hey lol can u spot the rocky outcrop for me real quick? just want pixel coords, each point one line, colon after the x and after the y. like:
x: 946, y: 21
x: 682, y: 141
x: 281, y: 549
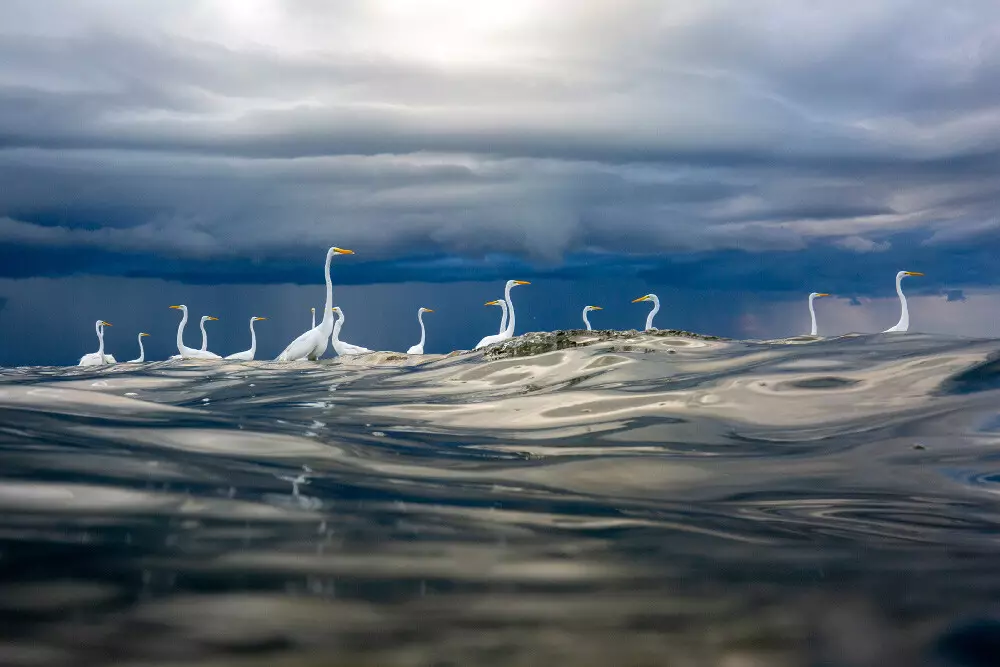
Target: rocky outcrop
x: 539, y: 342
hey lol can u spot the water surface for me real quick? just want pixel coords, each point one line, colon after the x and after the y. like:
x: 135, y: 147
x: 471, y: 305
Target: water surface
x: 663, y: 502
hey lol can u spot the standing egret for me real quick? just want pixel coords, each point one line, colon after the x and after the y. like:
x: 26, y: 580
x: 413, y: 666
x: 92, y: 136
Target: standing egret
x: 509, y: 331
x: 204, y: 336
x: 587, y: 309
x: 247, y: 355
x: 340, y: 347
x: 904, y: 316
x: 312, y: 344
x: 503, y: 307
x: 419, y: 347
x: 98, y: 358
x: 812, y: 311
x: 183, y: 351
x: 142, y: 350
x: 313, y: 309
x: 656, y: 308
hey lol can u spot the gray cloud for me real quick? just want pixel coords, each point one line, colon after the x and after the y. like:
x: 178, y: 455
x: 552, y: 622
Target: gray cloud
x: 260, y: 131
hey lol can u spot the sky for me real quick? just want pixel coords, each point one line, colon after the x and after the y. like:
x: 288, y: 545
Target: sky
x: 730, y: 155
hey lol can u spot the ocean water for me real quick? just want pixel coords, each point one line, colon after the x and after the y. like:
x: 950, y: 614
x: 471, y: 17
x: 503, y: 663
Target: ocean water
x: 655, y: 501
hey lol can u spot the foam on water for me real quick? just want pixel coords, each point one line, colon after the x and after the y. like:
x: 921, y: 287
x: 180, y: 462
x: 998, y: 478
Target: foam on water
x: 641, y: 500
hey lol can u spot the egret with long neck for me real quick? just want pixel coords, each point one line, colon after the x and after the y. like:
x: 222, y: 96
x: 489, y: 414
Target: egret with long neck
x: 248, y: 355
x: 204, y: 336
x: 314, y: 317
x: 812, y: 311
x: 419, y: 347
x: 313, y: 343
x: 904, y: 315
x: 97, y: 358
x: 652, y: 313
x: 509, y: 331
x: 183, y: 351
x: 142, y: 350
x: 587, y: 309
x: 342, y: 347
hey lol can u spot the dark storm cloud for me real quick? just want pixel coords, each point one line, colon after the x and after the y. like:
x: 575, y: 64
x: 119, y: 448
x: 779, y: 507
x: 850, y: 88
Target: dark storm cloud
x: 744, y: 145
x: 955, y: 295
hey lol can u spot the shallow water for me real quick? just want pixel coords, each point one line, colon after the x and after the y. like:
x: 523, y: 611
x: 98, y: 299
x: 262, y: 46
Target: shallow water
x: 665, y: 502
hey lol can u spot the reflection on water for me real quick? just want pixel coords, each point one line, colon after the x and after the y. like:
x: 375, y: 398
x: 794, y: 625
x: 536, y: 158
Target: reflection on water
x: 665, y: 502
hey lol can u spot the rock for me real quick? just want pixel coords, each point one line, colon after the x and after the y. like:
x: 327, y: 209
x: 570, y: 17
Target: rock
x: 539, y: 342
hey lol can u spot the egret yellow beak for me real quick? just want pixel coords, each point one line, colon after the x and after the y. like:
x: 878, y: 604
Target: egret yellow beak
x: 595, y: 308
x: 107, y: 324
x: 213, y: 318
x: 260, y: 318
x: 823, y: 294
x: 521, y: 282
x: 913, y: 273
x: 144, y: 334
x: 641, y: 298
x: 343, y: 251
x: 492, y: 303
x: 177, y: 307
x: 428, y: 310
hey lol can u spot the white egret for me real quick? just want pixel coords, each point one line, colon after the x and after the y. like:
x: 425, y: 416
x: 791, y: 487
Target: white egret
x: 503, y: 318
x: 812, y: 311
x: 656, y: 309
x: 204, y: 336
x: 904, y: 316
x: 419, y: 347
x: 313, y: 309
x: 183, y: 351
x: 587, y: 309
x: 142, y: 350
x: 312, y: 344
x: 509, y: 331
x: 340, y: 347
x: 248, y: 355
x: 98, y: 358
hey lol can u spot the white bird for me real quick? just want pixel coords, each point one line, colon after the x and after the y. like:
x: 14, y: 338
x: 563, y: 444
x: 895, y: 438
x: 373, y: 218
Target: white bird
x: 656, y: 309
x: 339, y: 346
x: 183, y: 351
x: 419, y: 347
x: 204, y: 336
x: 98, y: 358
x: 503, y: 307
x: 812, y: 311
x: 312, y: 344
x: 142, y: 350
x: 509, y: 331
x: 904, y: 316
x: 247, y: 355
x: 314, y: 317
x: 587, y: 309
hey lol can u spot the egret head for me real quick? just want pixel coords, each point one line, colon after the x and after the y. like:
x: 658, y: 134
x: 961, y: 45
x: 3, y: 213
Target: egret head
x: 313, y: 309
x: 341, y: 251
x: 143, y: 335
x: 105, y: 324
x: 336, y: 309
x: 257, y: 319
x: 910, y: 273
x: 648, y: 297
x: 816, y: 295
x: 511, y: 283
x: 594, y: 308
x: 210, y: 318
x: 426, y: 310
x: 181, y: 307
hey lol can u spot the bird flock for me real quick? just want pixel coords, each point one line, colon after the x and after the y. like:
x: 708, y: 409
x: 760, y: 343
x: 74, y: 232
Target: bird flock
x: 312, y: 344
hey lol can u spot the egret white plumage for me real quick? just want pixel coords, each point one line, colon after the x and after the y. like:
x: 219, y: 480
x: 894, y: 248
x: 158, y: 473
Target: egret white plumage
x: 248, y: 355
x: 313, y: 343
x: 142, y: 350
x: 812, y: 311
x: 587, y: 309
x: 904, y: 316
x: 98, y: 358
x: 183, y: 351
x: 656, y: 309
x: 343, y: 348
x: 509, y: 331
x: 204, y: 336
x: 419, y: 347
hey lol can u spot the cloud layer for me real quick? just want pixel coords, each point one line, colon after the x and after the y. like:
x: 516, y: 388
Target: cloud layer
x: 743, y: 143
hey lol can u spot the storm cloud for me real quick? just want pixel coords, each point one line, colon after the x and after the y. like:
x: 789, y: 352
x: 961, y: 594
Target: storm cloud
x: 722, y: 144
